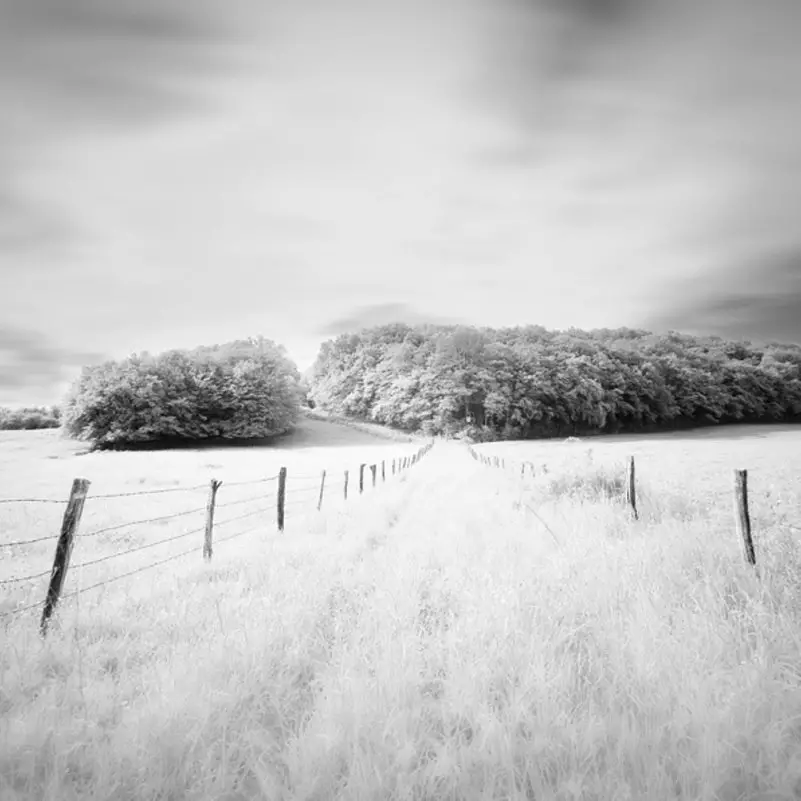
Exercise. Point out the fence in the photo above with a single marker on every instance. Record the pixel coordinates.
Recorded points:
(742, 514)
(65, 539)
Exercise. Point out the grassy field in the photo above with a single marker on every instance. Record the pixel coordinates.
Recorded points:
(456, 633)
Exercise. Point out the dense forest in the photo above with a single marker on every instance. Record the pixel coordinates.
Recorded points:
(241, 390)
(528, 382)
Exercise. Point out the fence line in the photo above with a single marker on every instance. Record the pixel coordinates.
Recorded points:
(79, 494)
(742, 515)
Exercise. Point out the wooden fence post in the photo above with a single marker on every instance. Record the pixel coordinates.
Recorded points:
(207, 550)
(346, 485)
(361, 478)
(66, 538)
(742, 517)
(631, 488)
(373, 470)
(322, 488)
(383, 471)
(281, 497)
(393, 467)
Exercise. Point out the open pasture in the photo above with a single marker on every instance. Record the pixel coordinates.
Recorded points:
(141, 499)
(434, 639)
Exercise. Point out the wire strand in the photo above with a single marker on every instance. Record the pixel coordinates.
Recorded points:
(146, 492)
(143, 522)
(28, 542)
(31, 500)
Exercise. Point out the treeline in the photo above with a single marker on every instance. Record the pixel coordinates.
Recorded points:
(237, 391)
(29, 417)
(530, 382)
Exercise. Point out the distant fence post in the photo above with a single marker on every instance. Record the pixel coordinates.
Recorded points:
(523, 470)
(322, 488)
(373, 470)
(383, 470)
(361, 477)
(281, 497)
(346, 485)
(631, 488)
(393, 467)
(215, 485)
(742, 517)
(66, 538)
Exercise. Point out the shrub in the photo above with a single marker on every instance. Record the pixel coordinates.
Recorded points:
(29, 418)
(240, 390)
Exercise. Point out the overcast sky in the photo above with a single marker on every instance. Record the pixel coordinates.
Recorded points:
(175, 174)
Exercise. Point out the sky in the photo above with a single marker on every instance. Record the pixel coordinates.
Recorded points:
(175, 174)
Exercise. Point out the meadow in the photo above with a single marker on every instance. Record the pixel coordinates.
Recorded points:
(459, 632)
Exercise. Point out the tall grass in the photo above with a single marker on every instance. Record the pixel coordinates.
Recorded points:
(426, 642)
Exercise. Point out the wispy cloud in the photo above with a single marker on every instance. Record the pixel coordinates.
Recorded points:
(174, 173)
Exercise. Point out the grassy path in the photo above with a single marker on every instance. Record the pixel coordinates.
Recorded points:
(424, 641)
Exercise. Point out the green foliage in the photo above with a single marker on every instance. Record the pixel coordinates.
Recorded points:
(32, 417)
(240, 390)
(484, 383)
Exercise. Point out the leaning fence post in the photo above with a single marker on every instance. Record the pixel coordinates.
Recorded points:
(346, 485)
(742, 517)
(281, 497)
(373, 469)
(631, 490)
(361, 477)
(322, 487)
(210, 503)
(66, 538)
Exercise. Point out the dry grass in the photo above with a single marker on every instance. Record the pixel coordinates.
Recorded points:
(427, 641)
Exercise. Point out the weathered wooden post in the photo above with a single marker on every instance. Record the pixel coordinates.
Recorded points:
(346, 485)
(66, 538)
(210, 503)
(373, 470)
(281, 497)
(631, 490)
(383, 470)
(361, 477)
(742, 517)
(393, 467)
(322, 489)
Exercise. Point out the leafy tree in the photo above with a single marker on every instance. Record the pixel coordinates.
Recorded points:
(238, 390)
(531, 382)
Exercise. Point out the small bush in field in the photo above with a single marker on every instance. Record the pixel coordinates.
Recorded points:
(30, 418)
(240, 390)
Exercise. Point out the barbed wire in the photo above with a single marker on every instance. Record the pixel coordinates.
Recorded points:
(31, 500)
(142, 522)
(138, 548)
(239, 501)
(252, 481)
(300, 490)
(145, 492)
(242, 517)
(16, 543)
(25, 578)
(75, 593)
